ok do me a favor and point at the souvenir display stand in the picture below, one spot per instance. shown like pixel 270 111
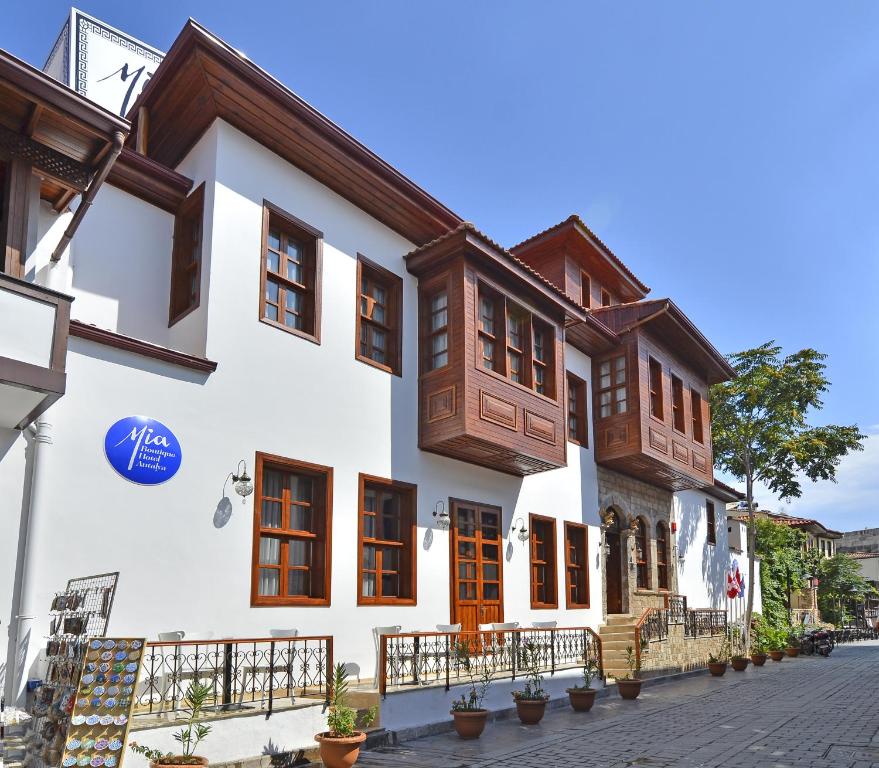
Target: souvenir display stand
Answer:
pixel 101 714
pixel 80 613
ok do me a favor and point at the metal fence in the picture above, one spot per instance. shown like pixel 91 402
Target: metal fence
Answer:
pixel 423 658
pixel 704 622
pixel 677 608
pixel 240 673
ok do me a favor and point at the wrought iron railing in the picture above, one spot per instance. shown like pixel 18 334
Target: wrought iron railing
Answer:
pixel 677 608
pixel 704 622
pixel 240 673
pixel 652 626
pixel 423 658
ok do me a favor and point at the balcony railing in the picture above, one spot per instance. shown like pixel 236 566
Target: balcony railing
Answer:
pixel 677 608
pixel 704 622
pixel 424 658
pixel 241 673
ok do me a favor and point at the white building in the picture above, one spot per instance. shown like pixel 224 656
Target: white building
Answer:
pixel 272 294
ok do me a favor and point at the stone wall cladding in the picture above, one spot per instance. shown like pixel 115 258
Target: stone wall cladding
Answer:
pixel 678 653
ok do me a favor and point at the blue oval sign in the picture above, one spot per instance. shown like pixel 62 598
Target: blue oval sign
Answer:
pixel 143 450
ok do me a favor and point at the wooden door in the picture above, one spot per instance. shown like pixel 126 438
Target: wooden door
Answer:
pixel 614 577
pixel 477 569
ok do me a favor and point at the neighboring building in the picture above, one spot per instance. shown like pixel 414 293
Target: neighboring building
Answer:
pixel 866 540
pixel 440 430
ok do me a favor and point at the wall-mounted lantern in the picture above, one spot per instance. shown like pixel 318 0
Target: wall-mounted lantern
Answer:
pixel 241 481
pixel 519 524
pixel 443 521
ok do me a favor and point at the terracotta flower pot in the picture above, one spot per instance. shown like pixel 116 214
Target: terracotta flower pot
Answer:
pixel 629 689
pixel 581 699
pixel 191 760
pixel 339 751
pixel 758 659
pixel 531 711
pixel 776 655
pixel 792 652
pixel 469 724
pixel 739 665
pixel 717 669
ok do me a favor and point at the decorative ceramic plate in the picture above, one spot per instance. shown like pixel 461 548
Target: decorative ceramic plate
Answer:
pixel 109 644
pixel 98 690
pixel 120 720
pixel 135 644
pixel 95 644
pixel 131 667
pixel 120 655
pixel 69 761
pixel 115 745
pixel 88 679
pixel 110 703
pixel 107 720
pixel 92 720
pixel 72 744
pixel 128 679
pixel 78 719
pixel 101 744
pixel 97 761
pixel 88 743
pixel 106 655
pixel 110 761
pixel 83 760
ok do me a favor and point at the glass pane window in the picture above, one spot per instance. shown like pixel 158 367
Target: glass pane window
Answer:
pixel 379 316
pixel 438 338
pixel 543 563
pixel 387 512
pixel 612 390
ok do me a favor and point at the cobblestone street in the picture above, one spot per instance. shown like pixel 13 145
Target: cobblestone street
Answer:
pixel 800 712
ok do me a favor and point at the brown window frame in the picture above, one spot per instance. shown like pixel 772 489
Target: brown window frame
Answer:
pixel 654 377
pixel 606 298
pixel 642 562
pixel 585 290
pixel 377 275
pixel 185 289
pixel 323 477
pixel 696 416
pixel 408 568
pixel 662 556
pixel 426 331
pixel 525 347
pixel 577 410
pixel 579 530
pixel 550 564
pixel 710 523
pixel 310 241
pixel 613 386
pixel 678 416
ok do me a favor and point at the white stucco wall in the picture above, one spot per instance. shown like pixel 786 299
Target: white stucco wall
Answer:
pixel 182 565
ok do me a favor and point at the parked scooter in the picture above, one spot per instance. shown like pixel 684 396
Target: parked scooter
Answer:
pixel 818 641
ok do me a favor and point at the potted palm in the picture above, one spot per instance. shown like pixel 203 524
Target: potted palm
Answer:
pixel 582 697
pixel 629 686
pixel 340 744
pixel 468 714
pixel 531 702
pixel 189 736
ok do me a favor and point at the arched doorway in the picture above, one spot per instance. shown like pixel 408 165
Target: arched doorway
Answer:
pixel 613 562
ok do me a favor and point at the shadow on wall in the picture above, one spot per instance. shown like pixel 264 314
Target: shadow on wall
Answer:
pixel 714 558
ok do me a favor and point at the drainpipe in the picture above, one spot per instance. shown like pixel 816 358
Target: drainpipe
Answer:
pixel 89 195
pixel 26 611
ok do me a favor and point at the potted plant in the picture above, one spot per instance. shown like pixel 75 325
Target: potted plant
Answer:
pixel 340 744
pixel 468 714
pixel 717 664
pixel 792 648
pixel 739 662
pixel 531 702
pixel 189 736
pixel 582 697
pixel 630 685
pixel 758 644
pixel 776 643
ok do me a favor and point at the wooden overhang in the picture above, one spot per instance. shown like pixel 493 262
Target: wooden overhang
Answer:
pixel 61 135
pixel 202 79
pixel 150 181
pixel 583 330
pixel 664 318
pixel 573 237
pixel 724 492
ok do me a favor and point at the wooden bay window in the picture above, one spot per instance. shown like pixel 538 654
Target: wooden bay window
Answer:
pixel 292 532
pixel 612 392
pixel 386 542
pixel 435 328
pixel 186 257
pixel 544 592
pixel 578 424
pixel 656 404
pixel 576 565
pixel 379 317
pixel 290 274
pixel 677 404
pixel 585 290
pixel 696 416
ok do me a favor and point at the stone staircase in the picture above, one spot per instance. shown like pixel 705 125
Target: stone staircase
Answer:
pixel 617 635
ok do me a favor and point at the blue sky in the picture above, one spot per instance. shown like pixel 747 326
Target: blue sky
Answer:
pixel 727 152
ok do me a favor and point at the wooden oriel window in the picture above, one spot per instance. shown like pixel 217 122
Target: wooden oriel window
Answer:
pixel 711 522
pixel 292 532
pixel 544 592
pixel 514 343
pixel 386 542
pixel 186 256
pixel 435 315
pixel 696 416
pixel 606 298
pixel 662 557
pixel 612 392
pixel 677 404
pixel 291 274
pixel 578 429
pixel 585 290
pixel 576 565
pixel 656 405
pixel 642 557
pixel 379 317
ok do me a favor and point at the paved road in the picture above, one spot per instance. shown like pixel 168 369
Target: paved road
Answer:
pixel 813 712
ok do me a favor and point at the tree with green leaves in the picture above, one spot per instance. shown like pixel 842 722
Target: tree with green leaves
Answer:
pixel 784 567
pixel 761 433
pixel 841 584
